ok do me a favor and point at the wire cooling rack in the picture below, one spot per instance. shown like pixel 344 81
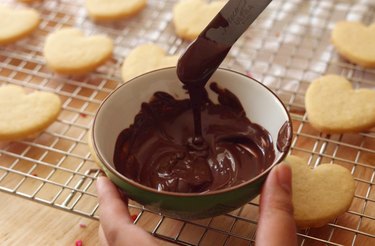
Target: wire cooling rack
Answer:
pixel 286 48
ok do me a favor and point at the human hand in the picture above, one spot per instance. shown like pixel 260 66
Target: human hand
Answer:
pixel 116 225
pixel 276 223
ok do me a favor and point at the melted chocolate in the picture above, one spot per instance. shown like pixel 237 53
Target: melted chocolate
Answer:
pixel 206 53
pixel 284 137
pixel 157 151
pixel 195 145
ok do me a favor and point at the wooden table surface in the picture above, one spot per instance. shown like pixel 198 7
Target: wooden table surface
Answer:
pixel 24 222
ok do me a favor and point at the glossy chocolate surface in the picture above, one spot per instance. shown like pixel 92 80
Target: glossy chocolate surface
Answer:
pixel 157 150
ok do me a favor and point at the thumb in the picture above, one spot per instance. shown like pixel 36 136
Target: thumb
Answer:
pixel 276 209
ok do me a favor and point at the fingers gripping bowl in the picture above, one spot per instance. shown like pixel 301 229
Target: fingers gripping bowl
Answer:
pixel 119 109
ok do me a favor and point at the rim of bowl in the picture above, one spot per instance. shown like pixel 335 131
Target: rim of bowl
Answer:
pixel 184 194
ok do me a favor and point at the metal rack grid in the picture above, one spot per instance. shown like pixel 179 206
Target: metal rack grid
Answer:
pixel 287 47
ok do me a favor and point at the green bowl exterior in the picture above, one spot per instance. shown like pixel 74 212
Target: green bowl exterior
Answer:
pixel 189 207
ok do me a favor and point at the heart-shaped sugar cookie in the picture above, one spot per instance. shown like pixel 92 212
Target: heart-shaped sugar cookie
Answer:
pixel 334 107
pixel 22 114
pixel 355 42
pixel 190 17
pixel 320 194
pixel 16 23
pixel 29 1
pixel 69 51
pixel 113 9
pixel 145 58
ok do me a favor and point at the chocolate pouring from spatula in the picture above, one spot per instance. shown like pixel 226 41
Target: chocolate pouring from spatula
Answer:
pixel 206 53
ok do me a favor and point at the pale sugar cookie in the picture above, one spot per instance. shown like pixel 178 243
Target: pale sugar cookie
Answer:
pixel 113 9
pixel 320 194
pixel 16 23
pixel 29 1
pixel 355 42
pixel 190 17
pixel 333 106
pixel 145 58
pixel 69 51
pixel 22 114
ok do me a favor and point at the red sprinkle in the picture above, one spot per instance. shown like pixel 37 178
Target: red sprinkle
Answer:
pixel 249 74
pixel 34 174
pixel 83 115
pixel 79 243
pixel 134 217
pixel 82 225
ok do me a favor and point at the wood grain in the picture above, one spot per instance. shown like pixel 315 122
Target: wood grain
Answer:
pixel 24 222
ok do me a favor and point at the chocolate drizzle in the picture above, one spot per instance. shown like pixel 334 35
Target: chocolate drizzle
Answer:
pixel 206 53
